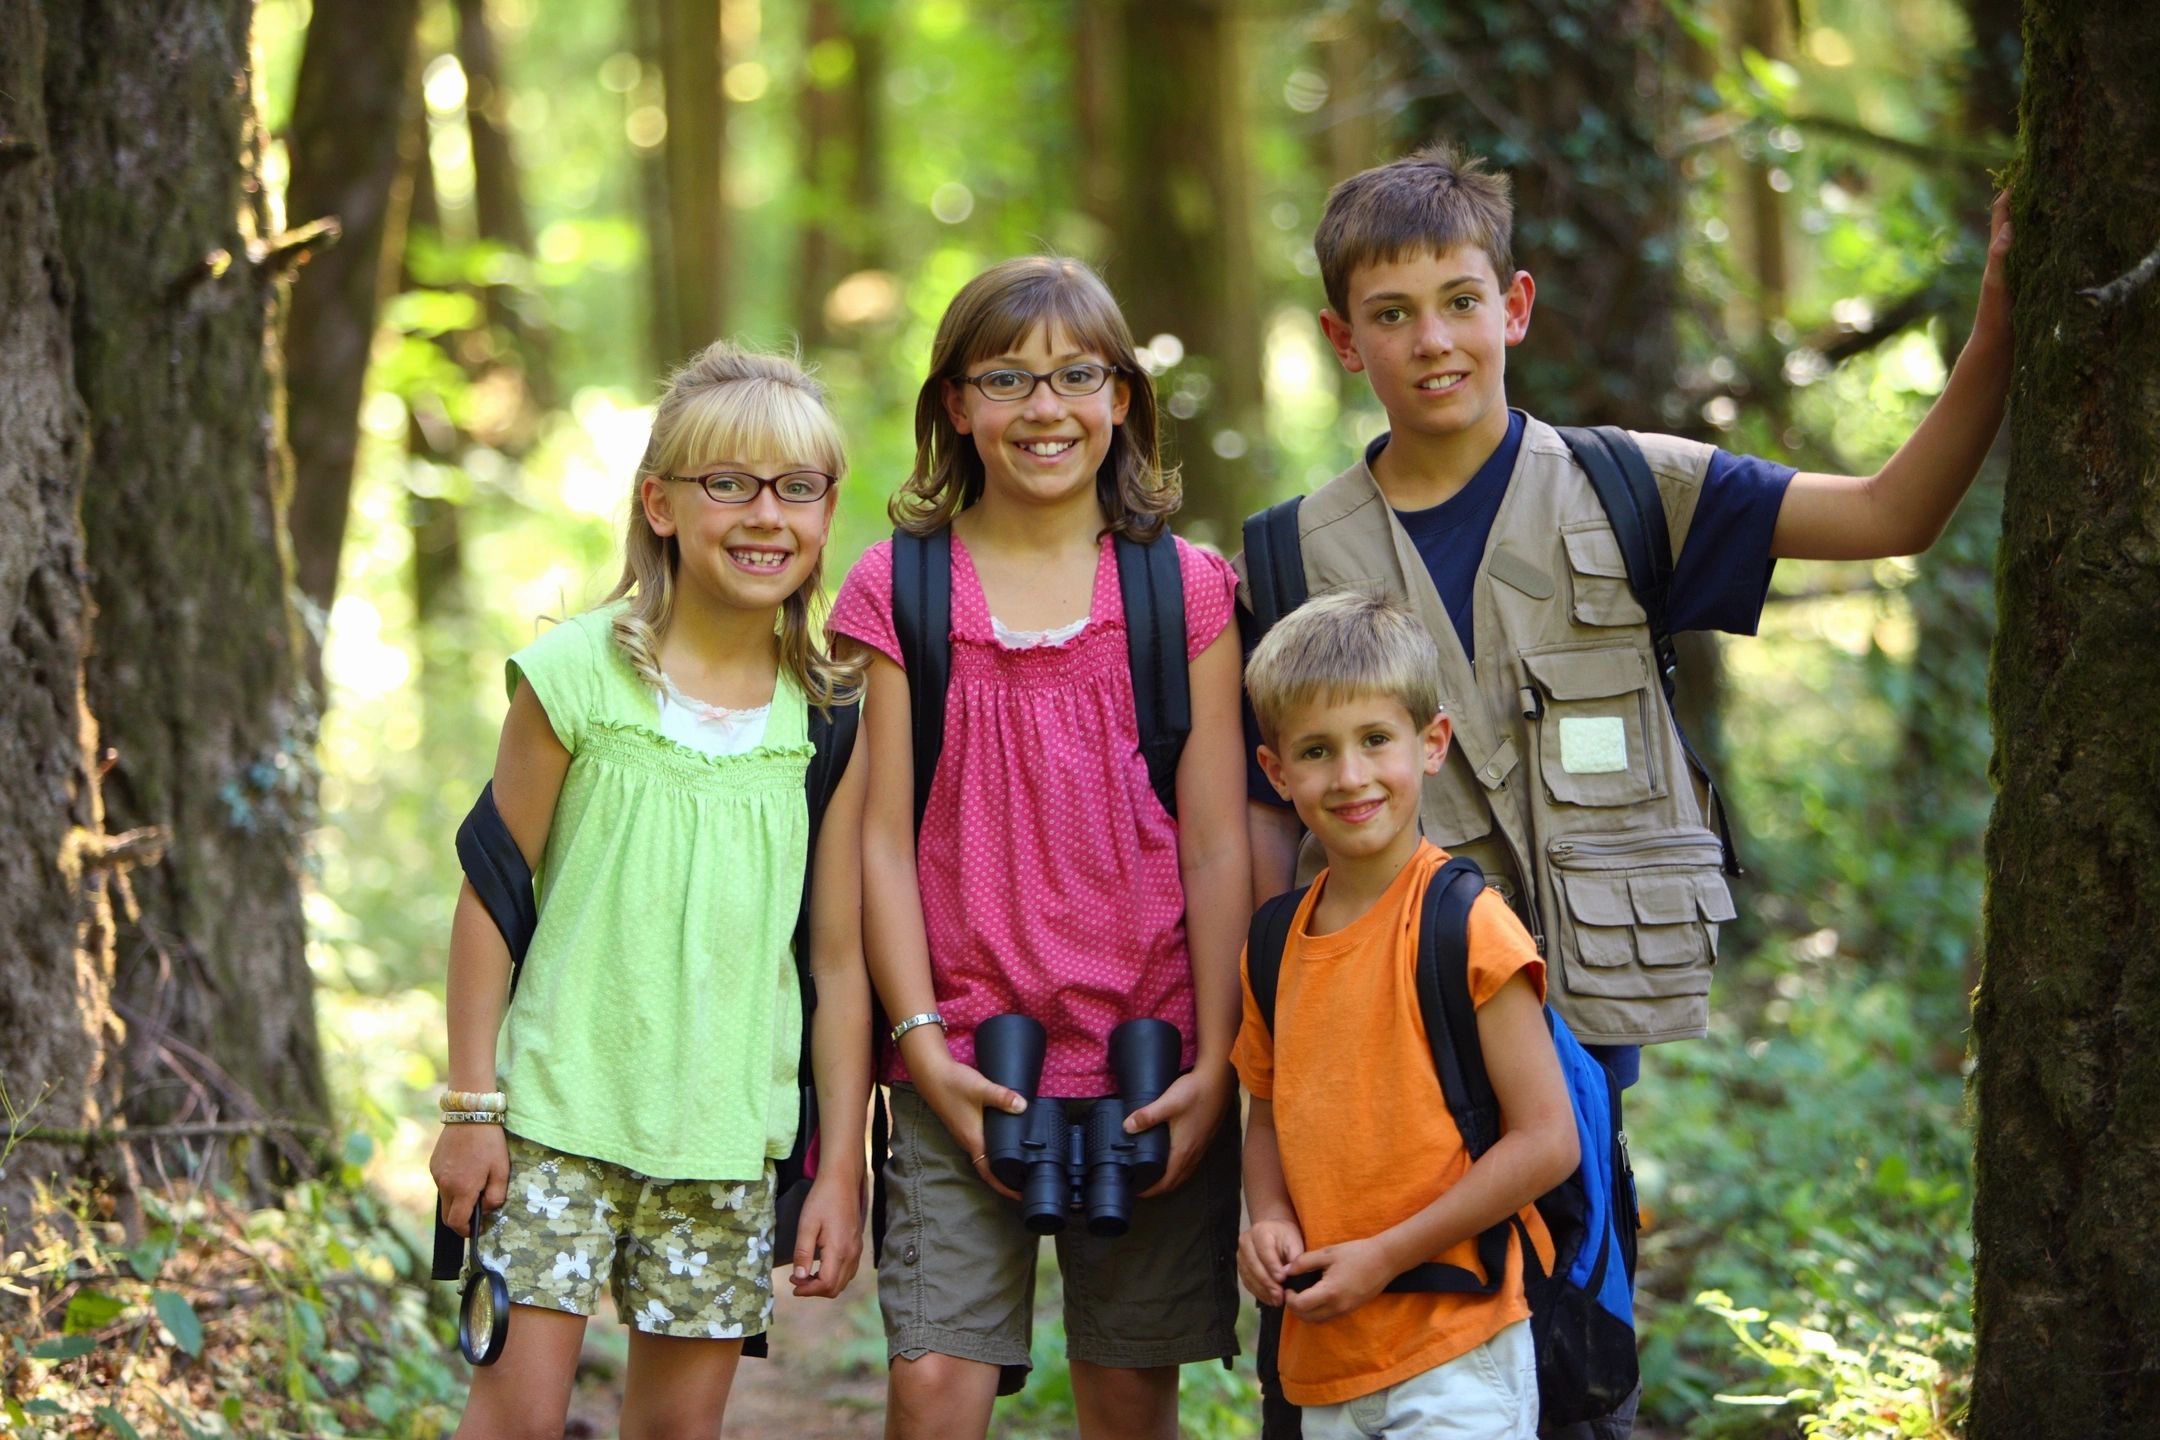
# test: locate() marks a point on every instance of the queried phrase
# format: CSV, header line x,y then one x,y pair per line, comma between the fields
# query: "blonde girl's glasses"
x,y
733,487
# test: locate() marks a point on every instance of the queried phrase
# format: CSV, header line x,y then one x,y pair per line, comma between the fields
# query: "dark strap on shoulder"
x,y
922,618
500,877
1274,566
1265,940
1622,480
1621,477
1443,980
832,737
1152,587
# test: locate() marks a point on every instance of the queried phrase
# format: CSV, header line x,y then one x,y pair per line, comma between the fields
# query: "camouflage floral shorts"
x,y
682,1257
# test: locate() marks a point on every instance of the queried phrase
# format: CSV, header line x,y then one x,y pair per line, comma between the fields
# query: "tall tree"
x,y
349,112
196,671
686,223
845,57
2067,1023
1181,256
55,922
499,193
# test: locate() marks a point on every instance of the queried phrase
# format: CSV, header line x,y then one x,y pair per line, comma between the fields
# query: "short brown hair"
x,y
1435,199
1337,646
993,313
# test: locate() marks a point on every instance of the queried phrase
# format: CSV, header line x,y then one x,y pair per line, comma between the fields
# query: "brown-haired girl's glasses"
x,y
733,487
1071,381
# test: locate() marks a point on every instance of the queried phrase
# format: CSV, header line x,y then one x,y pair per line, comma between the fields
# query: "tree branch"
x,y
2122,287
193,1130
280,253
1928,154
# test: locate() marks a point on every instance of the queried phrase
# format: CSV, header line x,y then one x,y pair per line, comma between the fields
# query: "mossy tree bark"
x,y
2067,1022
55,922
196,671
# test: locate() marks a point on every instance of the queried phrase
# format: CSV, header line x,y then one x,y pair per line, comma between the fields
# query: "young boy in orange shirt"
x,y
1354,1170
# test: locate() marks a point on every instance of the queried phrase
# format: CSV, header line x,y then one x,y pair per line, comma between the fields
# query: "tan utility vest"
x,y
1566,781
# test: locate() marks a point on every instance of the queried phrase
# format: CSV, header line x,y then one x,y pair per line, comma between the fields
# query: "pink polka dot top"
x,y
1048,868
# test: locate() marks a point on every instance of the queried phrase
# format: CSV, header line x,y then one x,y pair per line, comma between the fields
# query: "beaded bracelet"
x,y
473,1117
472,1100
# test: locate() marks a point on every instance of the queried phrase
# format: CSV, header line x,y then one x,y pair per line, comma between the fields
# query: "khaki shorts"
x,y
682,1257
957,1276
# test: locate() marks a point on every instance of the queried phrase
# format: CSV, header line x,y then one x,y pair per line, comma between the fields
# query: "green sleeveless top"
x,y
657,1022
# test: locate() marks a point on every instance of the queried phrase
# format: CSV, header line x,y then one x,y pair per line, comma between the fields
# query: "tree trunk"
x,y
839,110
499,196
349,113
689,234
2067,1022
1181,259
196,672
56,967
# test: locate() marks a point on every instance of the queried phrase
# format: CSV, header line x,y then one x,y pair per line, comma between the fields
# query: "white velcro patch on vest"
x,y
1593,745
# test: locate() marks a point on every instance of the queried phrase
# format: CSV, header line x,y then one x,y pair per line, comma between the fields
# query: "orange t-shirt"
x,y
1365,1134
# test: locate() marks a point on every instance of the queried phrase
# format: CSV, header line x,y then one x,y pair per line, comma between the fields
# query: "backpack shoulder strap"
x,y
1152,587
1265,940
1443,980
832,734
922,618
500,877
1274,566
1621,477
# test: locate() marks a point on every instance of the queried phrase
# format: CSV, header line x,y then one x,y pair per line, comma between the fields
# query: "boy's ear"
x,y
1437,737
658,503
1515,304
956,407
1340,338
1271,766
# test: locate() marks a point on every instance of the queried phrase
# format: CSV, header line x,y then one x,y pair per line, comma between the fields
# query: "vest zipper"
x,y
1561,849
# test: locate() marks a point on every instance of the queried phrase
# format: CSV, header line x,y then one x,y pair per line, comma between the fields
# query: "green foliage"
x,y
205,1319
1910,1378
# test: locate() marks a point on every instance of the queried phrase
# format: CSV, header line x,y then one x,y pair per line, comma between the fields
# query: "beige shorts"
x,y
957,1275
682,1257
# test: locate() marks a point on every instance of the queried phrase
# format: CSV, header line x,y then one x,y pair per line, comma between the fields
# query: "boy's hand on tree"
x,y
1192,1107
959,1094
1353,1273
1265,1253
1993,314
471,1162
828,1237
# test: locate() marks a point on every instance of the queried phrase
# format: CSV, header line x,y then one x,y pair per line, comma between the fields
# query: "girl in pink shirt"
x,y
1048,879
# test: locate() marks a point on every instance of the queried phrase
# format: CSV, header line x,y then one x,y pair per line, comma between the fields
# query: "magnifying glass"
x,y
483,1306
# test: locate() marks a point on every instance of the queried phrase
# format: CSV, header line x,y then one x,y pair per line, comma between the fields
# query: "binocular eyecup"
x,y
1073,1157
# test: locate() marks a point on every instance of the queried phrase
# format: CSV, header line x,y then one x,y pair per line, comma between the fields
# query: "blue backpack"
x,y
1582,1313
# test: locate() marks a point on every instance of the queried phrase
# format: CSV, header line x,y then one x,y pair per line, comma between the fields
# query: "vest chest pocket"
x,y
1597,576
1593,725
1639,911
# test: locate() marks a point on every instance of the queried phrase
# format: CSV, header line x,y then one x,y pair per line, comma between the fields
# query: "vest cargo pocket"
x,y
1638,912
1598,576
1591,733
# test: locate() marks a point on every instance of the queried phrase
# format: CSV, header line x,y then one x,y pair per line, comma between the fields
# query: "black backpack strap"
x,y
1274,567
1443,980
1265,940
1152,587
504,882
922,618
1621,477
500,877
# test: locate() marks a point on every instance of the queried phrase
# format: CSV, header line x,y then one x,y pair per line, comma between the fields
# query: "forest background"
x,y
1759,222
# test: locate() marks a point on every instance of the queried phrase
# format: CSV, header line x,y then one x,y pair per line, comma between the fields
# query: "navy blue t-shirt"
x,y
1720,577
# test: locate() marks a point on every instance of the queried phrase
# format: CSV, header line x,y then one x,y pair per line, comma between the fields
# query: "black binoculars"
x,y
1073,1156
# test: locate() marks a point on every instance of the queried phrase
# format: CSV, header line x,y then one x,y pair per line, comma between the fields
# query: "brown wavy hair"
x,y
992,314
728,400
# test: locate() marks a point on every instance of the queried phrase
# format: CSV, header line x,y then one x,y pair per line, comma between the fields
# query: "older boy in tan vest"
x,y
1567,780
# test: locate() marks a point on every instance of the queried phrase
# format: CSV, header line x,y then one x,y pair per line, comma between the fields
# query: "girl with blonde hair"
x,y
621,1128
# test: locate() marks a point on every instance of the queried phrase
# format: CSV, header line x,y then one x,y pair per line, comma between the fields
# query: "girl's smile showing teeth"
x,y
1047,449
758,560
